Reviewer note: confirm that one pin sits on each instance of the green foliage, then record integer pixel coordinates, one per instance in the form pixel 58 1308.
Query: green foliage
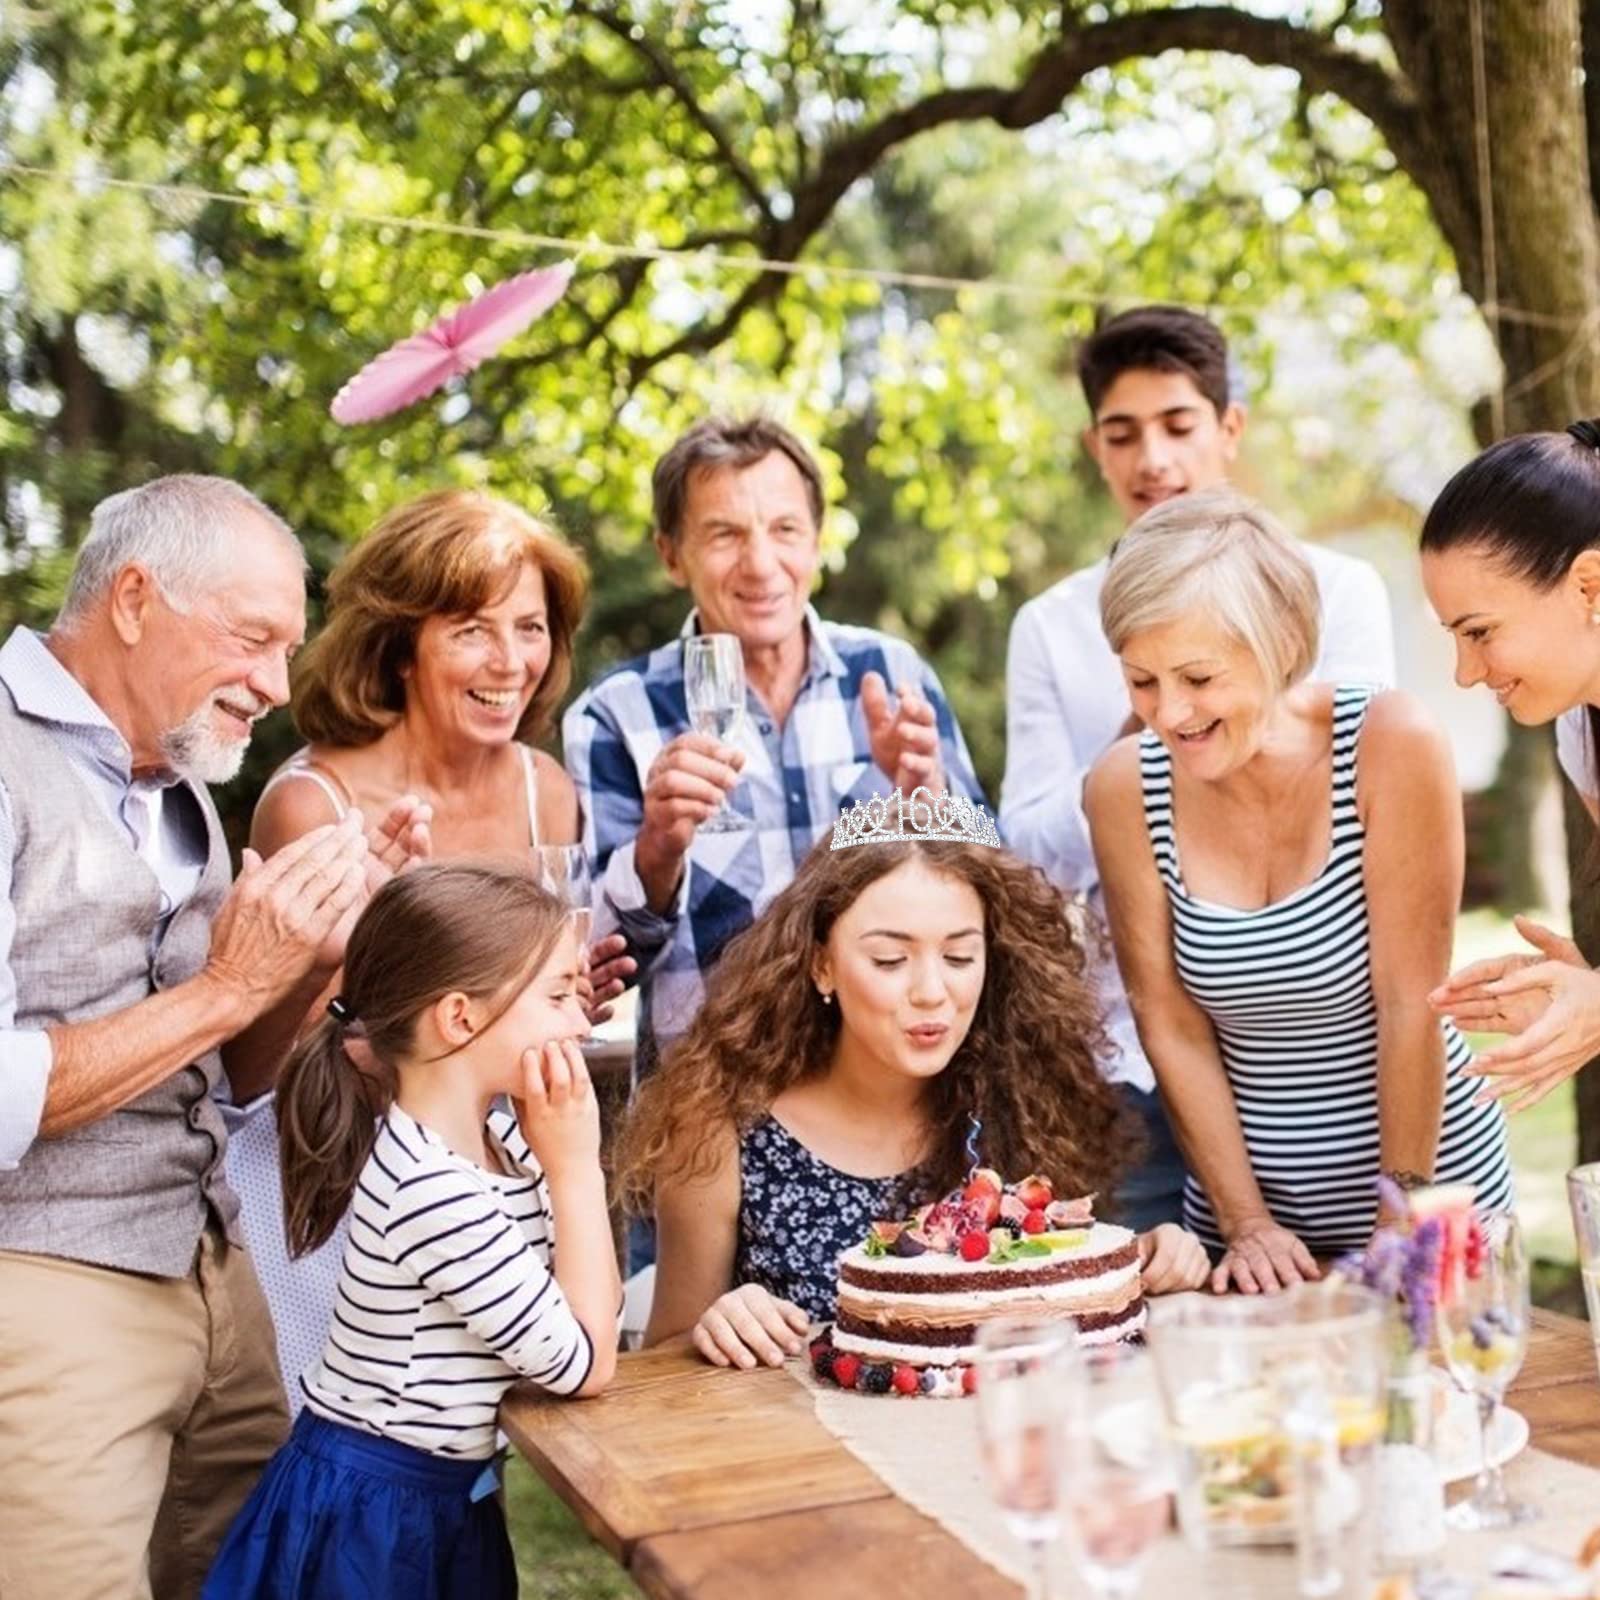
pixel 152 333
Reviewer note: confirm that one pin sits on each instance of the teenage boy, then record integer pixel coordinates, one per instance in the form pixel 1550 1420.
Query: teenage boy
pixel 1162 422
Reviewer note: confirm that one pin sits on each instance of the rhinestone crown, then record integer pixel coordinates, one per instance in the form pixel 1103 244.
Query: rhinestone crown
pixel 898 817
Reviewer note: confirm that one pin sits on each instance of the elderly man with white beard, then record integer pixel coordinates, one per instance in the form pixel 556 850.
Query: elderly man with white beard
pixel 139 1390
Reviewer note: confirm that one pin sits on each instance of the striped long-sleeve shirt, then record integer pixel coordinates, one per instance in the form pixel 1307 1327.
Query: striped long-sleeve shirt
pixel 447 1295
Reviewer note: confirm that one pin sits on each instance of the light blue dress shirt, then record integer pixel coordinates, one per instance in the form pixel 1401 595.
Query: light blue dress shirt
pixel 170 838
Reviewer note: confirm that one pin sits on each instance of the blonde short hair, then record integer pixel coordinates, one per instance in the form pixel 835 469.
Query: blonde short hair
pixel 448 553
pixel 1217 554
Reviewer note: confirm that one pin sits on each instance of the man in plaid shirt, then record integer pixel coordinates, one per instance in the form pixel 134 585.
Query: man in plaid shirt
pixel 738 510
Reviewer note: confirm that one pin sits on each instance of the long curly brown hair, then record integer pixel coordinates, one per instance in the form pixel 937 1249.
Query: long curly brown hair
pixel 1026 1067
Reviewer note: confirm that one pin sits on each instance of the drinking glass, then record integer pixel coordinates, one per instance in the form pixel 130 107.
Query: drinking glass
pixel 1119 1478
pixel 1250 1384
pixel 713 686
pixel 1583 1194
pixel 1026 1376
pixel 1483 1327
pixel 563 869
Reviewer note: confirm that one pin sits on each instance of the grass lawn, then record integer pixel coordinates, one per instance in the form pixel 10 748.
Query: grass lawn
pixel 556 1559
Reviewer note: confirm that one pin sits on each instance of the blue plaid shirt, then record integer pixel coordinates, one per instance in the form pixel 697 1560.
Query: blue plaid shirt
pixel 796 780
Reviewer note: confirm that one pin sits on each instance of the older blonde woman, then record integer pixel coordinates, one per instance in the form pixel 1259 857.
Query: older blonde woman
pixel 447 649
pixel 1282 863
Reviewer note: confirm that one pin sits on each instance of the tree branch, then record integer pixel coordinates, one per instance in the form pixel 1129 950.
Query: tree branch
pixel 668 76
pixel 1055 72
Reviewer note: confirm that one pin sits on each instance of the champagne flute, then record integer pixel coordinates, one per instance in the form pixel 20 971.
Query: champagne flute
pixel 713 686
pixel 1483 1327
pixel 563 869
pixel 1026 1380
pixel 1119 1479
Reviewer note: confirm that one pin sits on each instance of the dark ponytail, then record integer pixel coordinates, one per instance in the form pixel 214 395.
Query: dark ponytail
pixel 1531 504
pixel 482 929
pixel 327 1109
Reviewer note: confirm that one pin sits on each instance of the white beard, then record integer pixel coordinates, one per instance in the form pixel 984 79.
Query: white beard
pixel 197 752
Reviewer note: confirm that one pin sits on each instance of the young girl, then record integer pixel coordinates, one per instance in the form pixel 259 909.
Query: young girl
pixel 889 994
pixel 464 980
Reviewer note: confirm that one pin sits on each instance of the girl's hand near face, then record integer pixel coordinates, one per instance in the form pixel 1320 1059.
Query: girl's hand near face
pixel 749 1327
pixel 558 1111
pixel 1171 1258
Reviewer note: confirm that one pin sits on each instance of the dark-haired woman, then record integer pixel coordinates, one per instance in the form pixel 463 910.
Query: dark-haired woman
pixel 914 986
pixel 1511 563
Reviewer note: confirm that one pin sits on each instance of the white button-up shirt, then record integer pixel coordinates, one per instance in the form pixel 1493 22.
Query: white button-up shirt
pixel 1066 705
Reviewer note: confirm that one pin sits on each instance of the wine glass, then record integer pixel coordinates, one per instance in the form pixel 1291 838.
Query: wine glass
pixel 1026 1377
pixel 1119 1479
pixel 563 869
pixel 713 686
pixel 1483 1327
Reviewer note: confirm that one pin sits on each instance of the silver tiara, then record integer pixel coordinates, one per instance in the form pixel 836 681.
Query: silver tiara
pixel 893 818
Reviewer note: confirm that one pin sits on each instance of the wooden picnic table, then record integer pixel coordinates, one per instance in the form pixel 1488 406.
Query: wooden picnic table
pixel 708 1484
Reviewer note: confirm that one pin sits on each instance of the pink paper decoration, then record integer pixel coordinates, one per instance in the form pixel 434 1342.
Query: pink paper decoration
pixel 455 344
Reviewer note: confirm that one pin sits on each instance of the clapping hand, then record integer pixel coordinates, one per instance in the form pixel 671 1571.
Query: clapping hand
pixel 403 838
pixel 902 733
pixel 1549 1003
pixel 281 914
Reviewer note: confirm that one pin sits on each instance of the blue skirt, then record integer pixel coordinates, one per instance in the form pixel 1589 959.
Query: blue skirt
pixel 344 1515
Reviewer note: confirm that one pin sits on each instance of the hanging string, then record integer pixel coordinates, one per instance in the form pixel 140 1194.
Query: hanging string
pixel 1486 219
pixel 883 277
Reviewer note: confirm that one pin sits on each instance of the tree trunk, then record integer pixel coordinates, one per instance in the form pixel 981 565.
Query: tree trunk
pixel 1537 269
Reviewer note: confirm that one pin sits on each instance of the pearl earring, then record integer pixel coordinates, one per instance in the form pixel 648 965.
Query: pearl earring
pixel 827 996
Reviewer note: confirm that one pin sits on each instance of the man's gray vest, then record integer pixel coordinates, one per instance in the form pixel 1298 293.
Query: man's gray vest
pixel 131 1191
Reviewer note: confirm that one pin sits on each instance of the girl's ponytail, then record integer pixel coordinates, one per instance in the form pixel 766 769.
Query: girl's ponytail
pixel 327 1122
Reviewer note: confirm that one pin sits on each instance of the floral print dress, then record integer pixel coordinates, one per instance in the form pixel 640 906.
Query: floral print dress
pixel 798 1215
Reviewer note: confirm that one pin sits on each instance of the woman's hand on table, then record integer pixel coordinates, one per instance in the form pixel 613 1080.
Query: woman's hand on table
pixel 748 1327
pixel 1262 1258
pixel 1171 1258
pixel 606 975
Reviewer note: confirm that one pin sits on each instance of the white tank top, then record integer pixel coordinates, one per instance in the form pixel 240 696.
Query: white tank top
pixel 300 766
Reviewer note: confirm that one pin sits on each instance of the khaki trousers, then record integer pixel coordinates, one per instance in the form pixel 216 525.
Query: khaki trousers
pixel 136 1414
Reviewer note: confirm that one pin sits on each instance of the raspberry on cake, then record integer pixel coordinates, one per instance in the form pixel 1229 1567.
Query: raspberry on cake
pixel 915 1293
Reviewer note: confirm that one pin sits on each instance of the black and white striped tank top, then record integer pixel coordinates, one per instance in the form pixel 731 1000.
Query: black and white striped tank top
pixel 1288 990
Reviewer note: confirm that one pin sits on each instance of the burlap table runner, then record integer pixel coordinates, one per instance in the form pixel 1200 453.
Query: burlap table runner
pixel 926 1451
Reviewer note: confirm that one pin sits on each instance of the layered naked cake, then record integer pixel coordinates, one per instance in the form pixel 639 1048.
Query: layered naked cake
pixel 928 1308
pixel 913 1295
